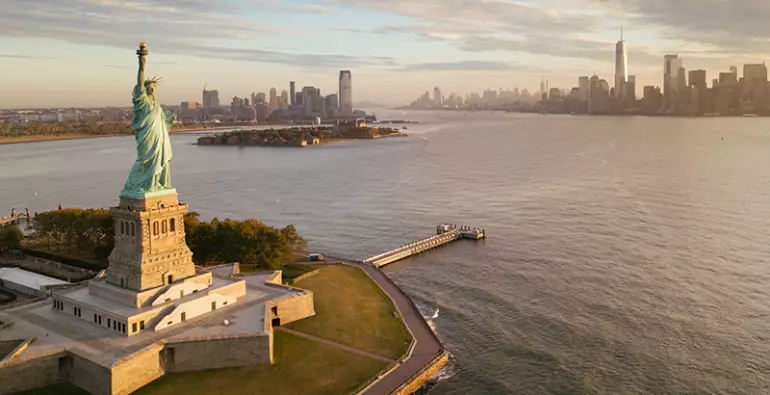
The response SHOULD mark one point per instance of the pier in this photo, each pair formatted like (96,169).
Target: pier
(445,234)
(15,220)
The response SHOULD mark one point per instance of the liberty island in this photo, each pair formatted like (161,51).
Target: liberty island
(153,312)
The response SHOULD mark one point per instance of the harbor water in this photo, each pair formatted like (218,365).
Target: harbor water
(624,255)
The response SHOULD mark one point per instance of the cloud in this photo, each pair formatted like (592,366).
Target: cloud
(204,28)
(546,28)
(351,30)
(14,56)
(292,7)
(265,56)
(703,30)
(470,65)
(487,14)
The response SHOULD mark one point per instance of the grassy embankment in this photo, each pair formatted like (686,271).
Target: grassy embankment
(351,310)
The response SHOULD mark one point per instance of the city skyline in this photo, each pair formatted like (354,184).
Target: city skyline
(73,55)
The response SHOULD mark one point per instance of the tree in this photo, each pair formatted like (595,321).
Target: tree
(249,241)
(91,230)
(10,237)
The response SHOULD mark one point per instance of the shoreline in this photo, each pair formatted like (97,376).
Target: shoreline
(78,136)
(426,356)
(647,115)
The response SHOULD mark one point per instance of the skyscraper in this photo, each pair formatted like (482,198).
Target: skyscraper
(292,93)
(284,102)
(681,79)
(437,100)
(583,85)
(755,82)
(210,98)
(754,72)
(332,102)
(671,66)
(346,92)
(697,79)
(273,99)
(311,100)
(629,90)
(621,65)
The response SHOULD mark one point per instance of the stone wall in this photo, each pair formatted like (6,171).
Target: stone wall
(148,319)
(137,370)
(100,288)
(22,374)
(89,376)
(235,290)
(178,291)
(306,275)
(291,307)
(87,312)
(18,350)
(425,374)
(220,353)
(276,277)
(194,308)
(144,298)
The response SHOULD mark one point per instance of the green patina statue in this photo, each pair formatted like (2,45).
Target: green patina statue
(151,174)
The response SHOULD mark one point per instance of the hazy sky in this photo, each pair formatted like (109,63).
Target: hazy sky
(82,52)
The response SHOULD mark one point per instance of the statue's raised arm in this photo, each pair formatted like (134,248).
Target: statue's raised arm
(151,174)
(142,53)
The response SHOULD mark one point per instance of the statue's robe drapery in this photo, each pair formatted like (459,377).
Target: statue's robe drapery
(151,172)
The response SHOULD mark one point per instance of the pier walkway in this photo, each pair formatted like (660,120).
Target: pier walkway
(445,235)
(15,220)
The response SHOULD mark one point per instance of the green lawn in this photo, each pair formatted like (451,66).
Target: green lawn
(293,270)
(302,367)
(351,309)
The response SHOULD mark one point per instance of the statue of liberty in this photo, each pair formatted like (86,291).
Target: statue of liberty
(151,174)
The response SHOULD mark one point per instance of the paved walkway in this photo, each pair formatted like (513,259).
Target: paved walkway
(428,346)
(334,344)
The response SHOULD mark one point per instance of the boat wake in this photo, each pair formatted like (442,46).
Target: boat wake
(429,313)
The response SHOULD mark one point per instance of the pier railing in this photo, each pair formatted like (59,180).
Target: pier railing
(15,220)
(429,242)
(445,235)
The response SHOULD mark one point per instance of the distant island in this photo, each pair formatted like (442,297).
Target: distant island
(298,136)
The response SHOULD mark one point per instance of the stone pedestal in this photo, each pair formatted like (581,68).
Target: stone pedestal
(150,249)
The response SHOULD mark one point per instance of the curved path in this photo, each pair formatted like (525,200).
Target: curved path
(334,344)
(428,346)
